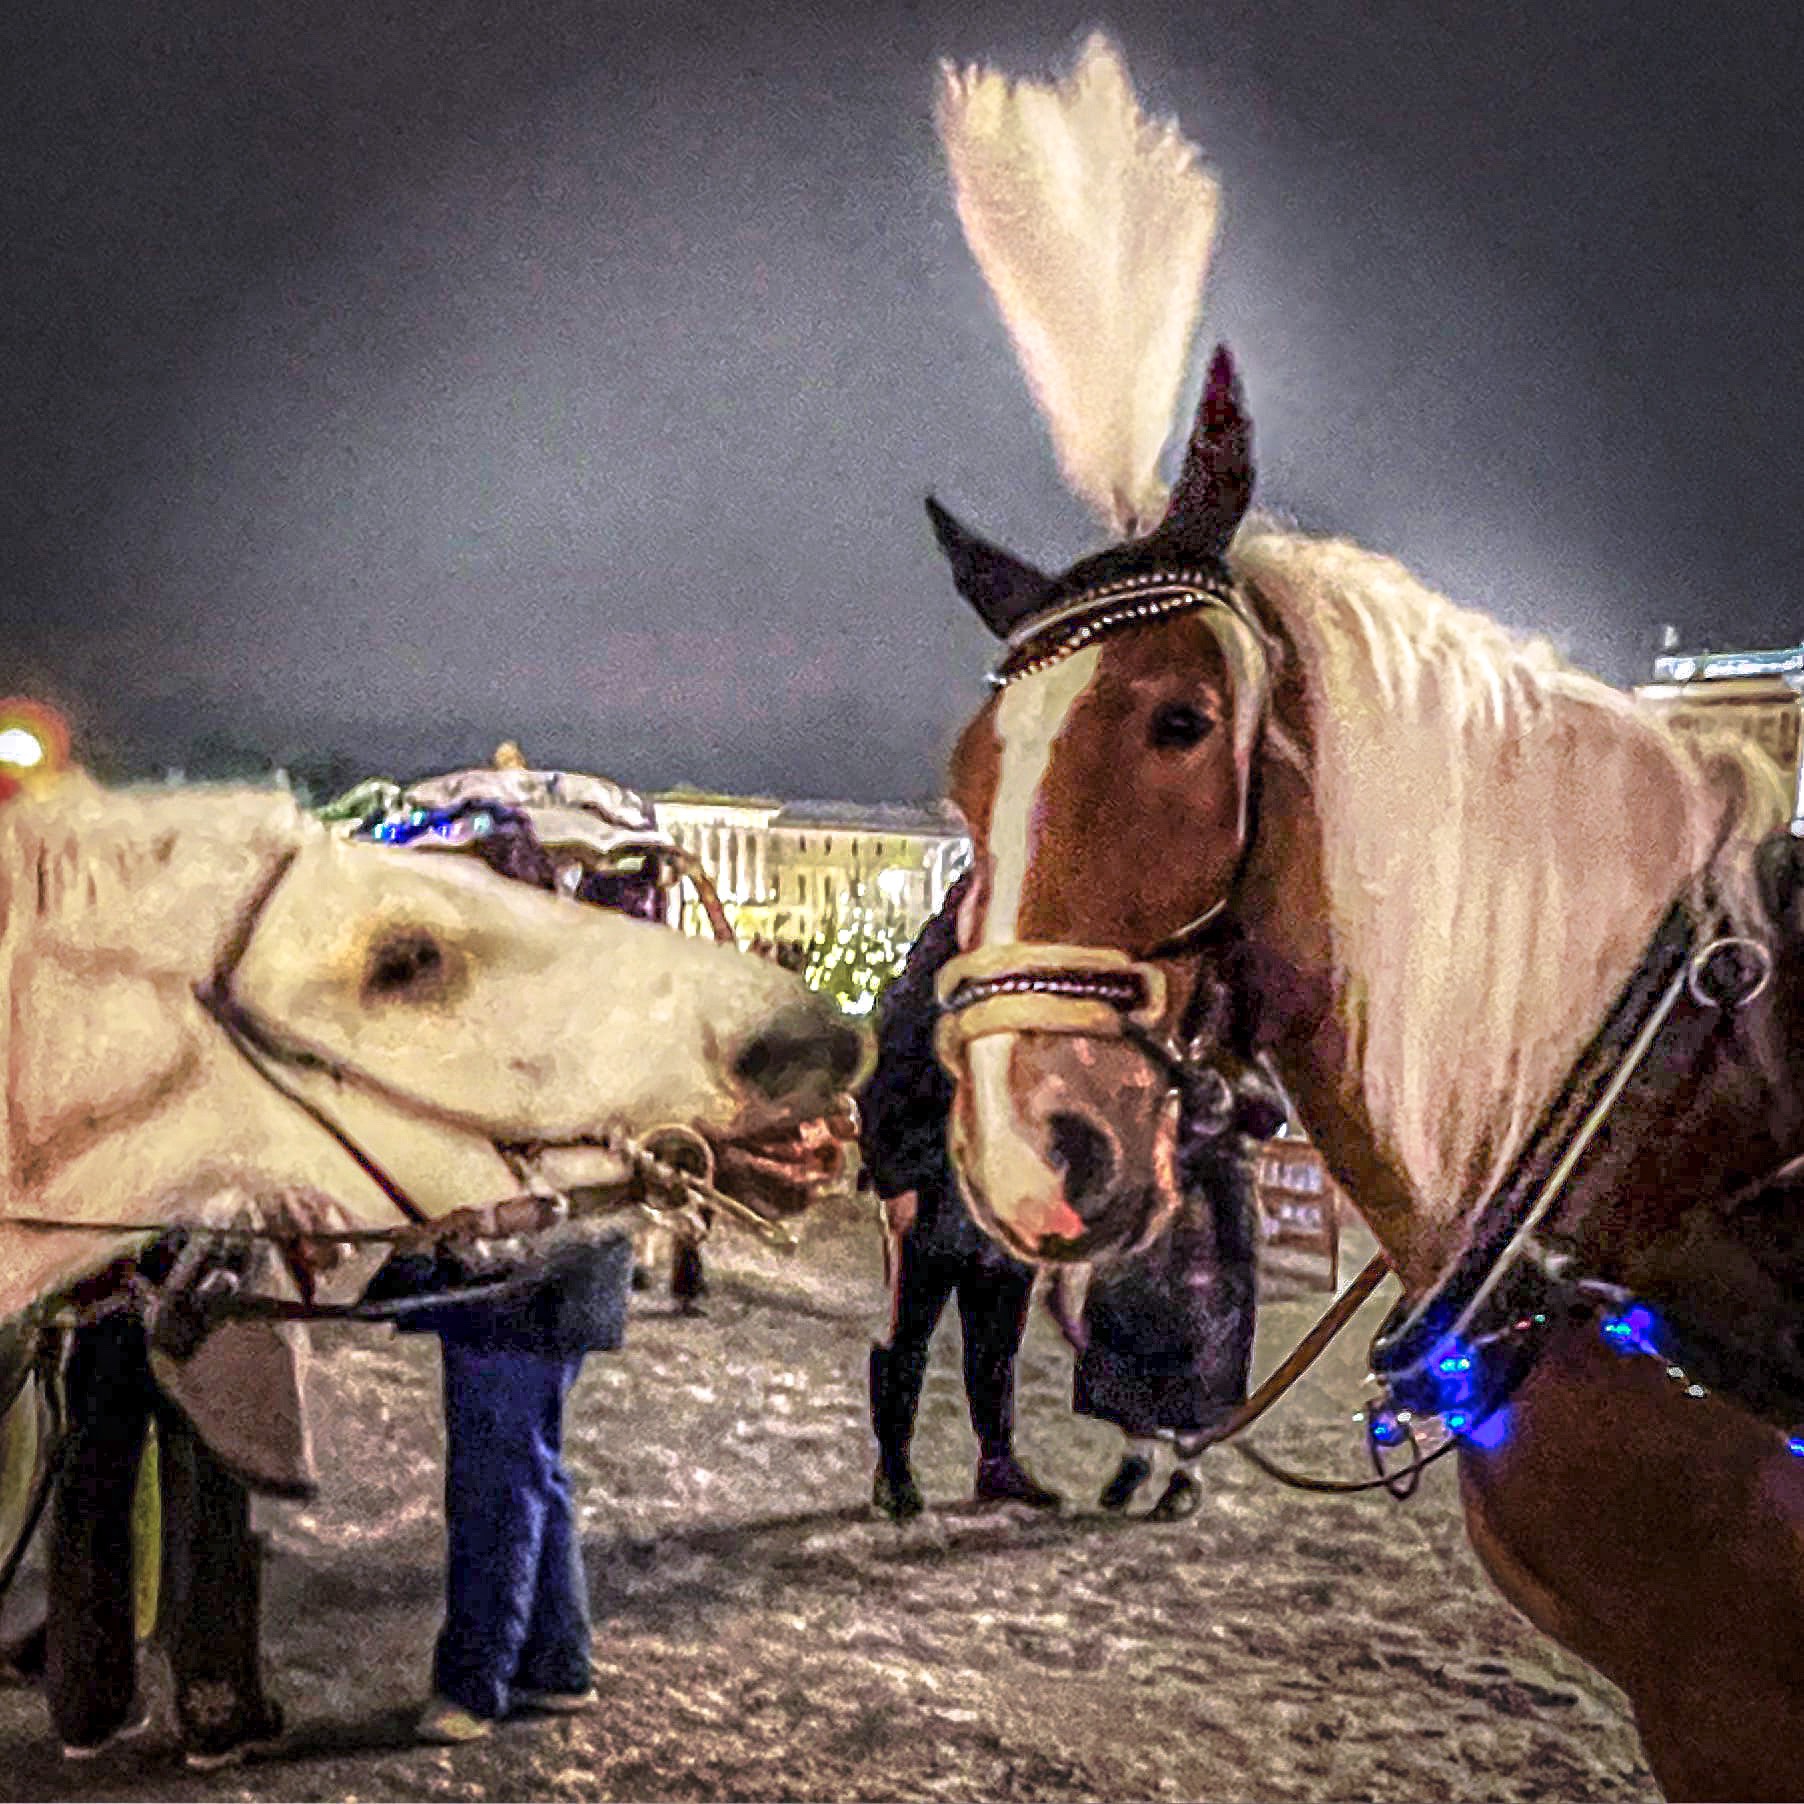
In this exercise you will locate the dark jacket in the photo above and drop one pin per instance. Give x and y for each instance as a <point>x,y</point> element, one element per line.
<point>570,1298</point>
<point>906,1101</point>
<point>1169,1329</point>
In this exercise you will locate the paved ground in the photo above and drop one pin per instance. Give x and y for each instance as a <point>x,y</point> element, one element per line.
<point>759,1637</point>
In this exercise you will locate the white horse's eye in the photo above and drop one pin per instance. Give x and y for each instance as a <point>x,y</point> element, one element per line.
<point>406,963</point>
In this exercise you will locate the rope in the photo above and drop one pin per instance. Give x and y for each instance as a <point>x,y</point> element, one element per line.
<point>1400,1484</point>
<point>650,1173</point>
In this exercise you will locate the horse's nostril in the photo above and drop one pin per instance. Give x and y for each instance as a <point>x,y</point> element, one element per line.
<point>803,1046</point>
<point>1082,1151</point>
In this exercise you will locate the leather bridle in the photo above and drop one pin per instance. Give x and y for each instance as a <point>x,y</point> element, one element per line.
<point>668,1161</point>
<point>1088,991</point>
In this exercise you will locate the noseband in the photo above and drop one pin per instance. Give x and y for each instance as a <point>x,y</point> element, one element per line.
<point>1053,987</point>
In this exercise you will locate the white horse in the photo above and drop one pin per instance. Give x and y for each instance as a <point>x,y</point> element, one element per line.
<point>214,1006</point>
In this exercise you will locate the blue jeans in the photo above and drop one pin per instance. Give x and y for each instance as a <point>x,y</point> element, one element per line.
<point>516,1601</point>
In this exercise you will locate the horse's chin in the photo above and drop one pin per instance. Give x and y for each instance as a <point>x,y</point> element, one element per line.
<point>778,1170</point>
<point>1129,1220</point>
<point>784,1171</point>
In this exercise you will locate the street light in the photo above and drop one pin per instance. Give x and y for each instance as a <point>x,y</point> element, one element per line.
<point>22,748</point>
<point>34,742</point>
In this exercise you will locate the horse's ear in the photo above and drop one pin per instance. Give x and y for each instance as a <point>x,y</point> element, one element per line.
<point>1216,486</point>
<point>1002,589</point>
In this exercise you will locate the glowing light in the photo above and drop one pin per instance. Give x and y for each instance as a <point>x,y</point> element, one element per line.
<point>22,748</point>
<point>1492,1432</point>
<point>1633,1330</point>
<point>893,883</point>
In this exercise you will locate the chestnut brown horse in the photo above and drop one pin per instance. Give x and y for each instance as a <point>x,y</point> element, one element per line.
<point>1509,950</point>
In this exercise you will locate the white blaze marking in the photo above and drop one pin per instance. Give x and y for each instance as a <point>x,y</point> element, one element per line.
<point>1029,718</point>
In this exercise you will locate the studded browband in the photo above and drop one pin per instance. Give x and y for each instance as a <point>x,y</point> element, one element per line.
<point>1048,638</point>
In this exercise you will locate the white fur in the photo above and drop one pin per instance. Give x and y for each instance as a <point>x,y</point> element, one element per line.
<point>1030,715</point>
<point>1092,226</point>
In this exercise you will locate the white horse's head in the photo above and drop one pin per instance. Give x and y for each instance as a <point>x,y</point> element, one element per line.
<point>436,1015</point>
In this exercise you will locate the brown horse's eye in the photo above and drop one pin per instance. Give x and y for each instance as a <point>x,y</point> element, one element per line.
<point>1177,726</point>
<point>404,963</point>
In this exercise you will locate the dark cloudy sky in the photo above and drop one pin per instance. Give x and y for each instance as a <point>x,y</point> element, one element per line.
<point>387,376</point>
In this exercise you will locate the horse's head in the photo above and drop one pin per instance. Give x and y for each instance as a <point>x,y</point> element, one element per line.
<point>200,983</point>
<point>1107,784</point>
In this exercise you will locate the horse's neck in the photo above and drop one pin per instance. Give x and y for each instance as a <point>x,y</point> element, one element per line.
<point>153,882</point>
<point>1423,1023</point>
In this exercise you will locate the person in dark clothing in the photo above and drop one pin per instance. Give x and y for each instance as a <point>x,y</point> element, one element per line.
<point>1166,1337</point>
<point>935,1249</point>
<point>211,1563</point>
<point>112,1394</point>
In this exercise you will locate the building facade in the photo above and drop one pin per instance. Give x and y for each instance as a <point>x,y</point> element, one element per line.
<point>789,871</point>
<point>1754,693</point>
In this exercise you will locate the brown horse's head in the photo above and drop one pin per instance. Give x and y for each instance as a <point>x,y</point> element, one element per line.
<point>1125,712</point>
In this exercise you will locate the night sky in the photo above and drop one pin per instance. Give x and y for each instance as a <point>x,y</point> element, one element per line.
<point>385,379</point>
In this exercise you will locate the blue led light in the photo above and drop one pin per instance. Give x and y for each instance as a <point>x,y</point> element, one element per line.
<point>1796,1444</point>
<point>1633,1330</point>
<point>1492,1432</point>
<point>1382,1425</point>
<point>1457,1419</point>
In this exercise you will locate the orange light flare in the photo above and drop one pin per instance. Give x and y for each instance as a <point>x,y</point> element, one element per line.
<point>34,743</point>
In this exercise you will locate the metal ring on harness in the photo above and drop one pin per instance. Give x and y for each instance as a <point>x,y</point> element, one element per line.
<point>1719,977</point>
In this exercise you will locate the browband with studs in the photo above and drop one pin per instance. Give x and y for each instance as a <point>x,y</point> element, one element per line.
<point>1047,639</point>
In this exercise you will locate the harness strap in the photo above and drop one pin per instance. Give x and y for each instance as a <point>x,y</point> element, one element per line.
<point>1410,1342</point>
<point>1305,1353</point>
<point>248,1040</point>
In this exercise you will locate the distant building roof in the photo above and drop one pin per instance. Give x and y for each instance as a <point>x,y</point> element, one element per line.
<point>1722,666</point>
<point>939,819</point>
<point>688,796</point>
<point>875,817</point>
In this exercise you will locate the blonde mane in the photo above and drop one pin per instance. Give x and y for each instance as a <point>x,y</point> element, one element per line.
<point>1501,835</point>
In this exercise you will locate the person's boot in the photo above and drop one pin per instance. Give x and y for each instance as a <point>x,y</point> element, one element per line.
<point>1001,1478</point>
<point>895,1494</point>
<point>895,1380</point>
<point>1130,1475</point>
<point>220,1729</point>
<point>22,1661</point>
<point>688,1281</point>
<point>1183,1497</point>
